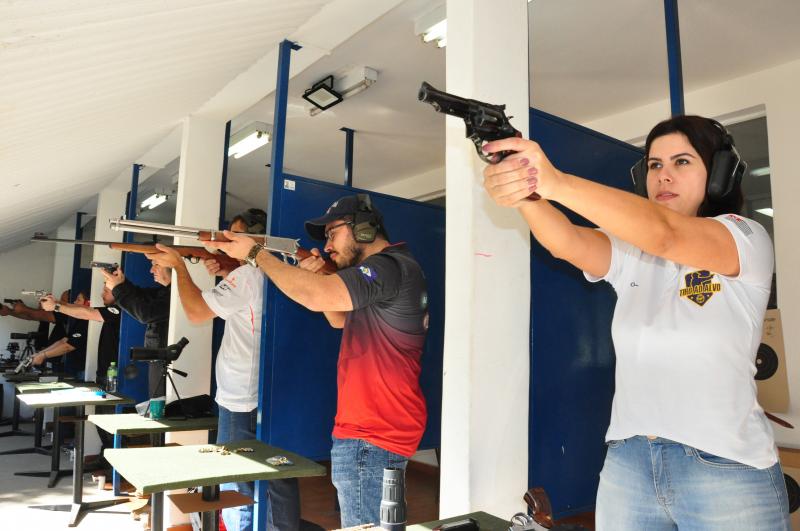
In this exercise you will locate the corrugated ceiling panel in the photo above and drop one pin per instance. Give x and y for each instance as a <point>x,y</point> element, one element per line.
<point>89,85</point>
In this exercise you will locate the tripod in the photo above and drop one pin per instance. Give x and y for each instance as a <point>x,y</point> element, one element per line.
<point>165,372</point>
<point>26,360</point>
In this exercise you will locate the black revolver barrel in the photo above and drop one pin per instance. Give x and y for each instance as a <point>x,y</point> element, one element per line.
<point>444,102</point>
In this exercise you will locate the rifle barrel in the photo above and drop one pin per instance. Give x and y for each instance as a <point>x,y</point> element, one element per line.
<point>159,229</point>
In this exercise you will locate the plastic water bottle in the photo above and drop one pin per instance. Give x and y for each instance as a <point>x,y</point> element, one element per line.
<point>111,378</point>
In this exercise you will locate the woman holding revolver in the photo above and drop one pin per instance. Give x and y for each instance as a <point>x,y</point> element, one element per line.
<point>689,447</point>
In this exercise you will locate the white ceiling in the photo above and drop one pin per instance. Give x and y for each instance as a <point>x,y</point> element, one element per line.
<point>88,87</point>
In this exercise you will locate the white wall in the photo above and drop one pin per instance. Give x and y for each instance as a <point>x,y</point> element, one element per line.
<point>775,90</point>
<point>422,187</point>
<point>63,254</point>
<point>27,267</point>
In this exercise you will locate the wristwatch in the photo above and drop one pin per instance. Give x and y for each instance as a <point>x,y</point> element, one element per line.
<point>253,254</point>
<point>57,307</point>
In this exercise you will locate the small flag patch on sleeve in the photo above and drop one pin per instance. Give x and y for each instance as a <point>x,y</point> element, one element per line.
<point>741,224</point>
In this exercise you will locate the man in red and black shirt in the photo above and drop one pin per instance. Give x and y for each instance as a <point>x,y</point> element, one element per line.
<point>378,296</point>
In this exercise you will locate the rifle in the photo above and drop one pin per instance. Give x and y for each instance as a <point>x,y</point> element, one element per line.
<point>11,301</point>
<point>485,122</point>
<point>192,254</point>
<point>288,248</point>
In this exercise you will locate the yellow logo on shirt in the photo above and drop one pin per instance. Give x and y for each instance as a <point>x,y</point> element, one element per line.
<point>699,287</point>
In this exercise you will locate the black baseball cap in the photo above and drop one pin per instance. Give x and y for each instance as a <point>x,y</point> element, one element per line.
<point>348,205</point>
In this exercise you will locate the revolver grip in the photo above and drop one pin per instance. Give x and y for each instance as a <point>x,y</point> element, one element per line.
<point>496,157</point>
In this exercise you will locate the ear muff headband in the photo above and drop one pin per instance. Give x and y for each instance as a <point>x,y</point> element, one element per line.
<point>365,222</point>
<point>255,219</point>
<point>727,169</point>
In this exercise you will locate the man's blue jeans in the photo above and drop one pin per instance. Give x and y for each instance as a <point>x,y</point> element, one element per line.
<point>283,495</point>
<point>357,473</point>
<point>661,485</point>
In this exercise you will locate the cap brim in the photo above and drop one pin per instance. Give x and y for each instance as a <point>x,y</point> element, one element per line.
<point>316,227</point>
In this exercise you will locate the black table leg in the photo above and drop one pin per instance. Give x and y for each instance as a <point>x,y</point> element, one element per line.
<point>157,511</point>
<point>37,448</point>
<point>55,473</point>
<point>157,498</point>
<point>78,507</point>
<point>210,521</point>
<point>14,425</point>
<point>3,422</point>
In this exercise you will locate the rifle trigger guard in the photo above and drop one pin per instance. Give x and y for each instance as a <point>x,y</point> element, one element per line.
<point>193,259</point>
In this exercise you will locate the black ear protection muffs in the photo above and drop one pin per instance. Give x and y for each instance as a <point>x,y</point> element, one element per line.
<point>255,219</point>
<point>727,169</point>
<point>365,222</point>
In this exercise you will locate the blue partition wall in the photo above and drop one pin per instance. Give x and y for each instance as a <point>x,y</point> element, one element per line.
<point>298,404</point>
<point>572,357</point>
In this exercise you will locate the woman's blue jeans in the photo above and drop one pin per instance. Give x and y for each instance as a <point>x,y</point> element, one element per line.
<point>283,495</point>
<point>659,484</point>
<point>357,473</point>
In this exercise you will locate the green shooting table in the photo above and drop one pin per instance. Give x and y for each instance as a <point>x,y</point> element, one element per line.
<point>28,387</point>
<point>134,424</point>
<point>79,398</point>
<point>486,522</point>
<point>16,380</point>
<point>155,470</point>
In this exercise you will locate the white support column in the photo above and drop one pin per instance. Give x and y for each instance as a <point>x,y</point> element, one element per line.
<point>62,262</point>
<point>199,182</point>
<point>487,329</point>
<point>110,204</point>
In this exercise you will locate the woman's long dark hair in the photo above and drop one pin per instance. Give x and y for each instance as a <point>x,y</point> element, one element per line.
<point>707,137</point>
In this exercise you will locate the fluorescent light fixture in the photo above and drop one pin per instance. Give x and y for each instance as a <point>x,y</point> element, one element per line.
<point>322,95</point>
<point>760,172</point>
<point>432,26</point>
<point>765,211</point>
<point>344,85</point>
<point>437,32</point>
<point>248,139</point>
<point>153,201</point>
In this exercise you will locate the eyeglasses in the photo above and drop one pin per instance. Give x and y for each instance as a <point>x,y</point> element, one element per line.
<point>329,232</point>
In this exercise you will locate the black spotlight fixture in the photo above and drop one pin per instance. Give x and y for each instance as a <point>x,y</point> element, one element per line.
<point>322,95</point>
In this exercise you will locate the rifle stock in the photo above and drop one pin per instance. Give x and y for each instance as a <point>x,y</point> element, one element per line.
<point>286,247</point>
<point>192,254</point>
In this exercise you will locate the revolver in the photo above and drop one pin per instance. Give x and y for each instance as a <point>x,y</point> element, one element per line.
<point>485,122</point>
<point>24,363</point>
<point>38,293</point>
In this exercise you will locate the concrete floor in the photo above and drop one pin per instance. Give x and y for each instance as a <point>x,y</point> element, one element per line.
<point>17,493</point>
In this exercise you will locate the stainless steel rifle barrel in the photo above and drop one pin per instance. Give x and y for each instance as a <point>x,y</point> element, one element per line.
<point>159,229</point>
